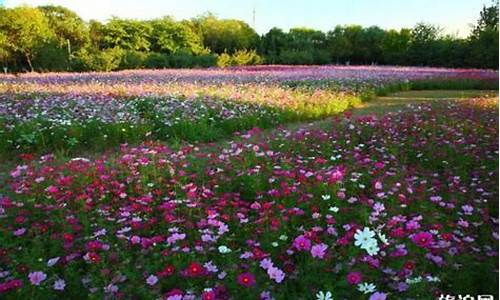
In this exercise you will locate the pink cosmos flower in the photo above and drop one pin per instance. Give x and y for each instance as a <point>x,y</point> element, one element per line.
<point>246,279</point>
<point>423,239</point>
<point>276,274</point>
<point>135,239</point>
<point>37,277</point>
<point>302,243</point>
<point>319,250</point>
<point>354,278</point>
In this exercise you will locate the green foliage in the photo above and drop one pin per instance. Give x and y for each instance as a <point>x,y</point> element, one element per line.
<point>51,57</point>
<point>69,29</point>
<point>239,58</point>
<point>169,36</point>
<point>484,39</point>
<point>26,30</point>
<point>156,60</point>
<point>225,35</point>
<point>132,59</point>
<point>126,34</point>
<point>54,38</point>
<point>104,60</point>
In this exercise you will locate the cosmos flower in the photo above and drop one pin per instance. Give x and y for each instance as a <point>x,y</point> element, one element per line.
<point>354,278</point>
<point>59,285</point>
<point>37,277</point>
<point>319,250</point>
<point>366,288</point>
<point>302,243</point>
<point>324,296</point>
<point>151,280</point>
<point>423,239</point>
<point>246,279</point>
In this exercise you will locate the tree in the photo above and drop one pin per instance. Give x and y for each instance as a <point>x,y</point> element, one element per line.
<point>127,34</point>
<point>26,29</point>
<point>484,39</point>
<point>225,35</point>
<point>67,26</point>
<point>339,45</point>
<point>422,43</point>
<point>169,36</point>
<point>4,49</point>
<point>395,45</point>
<point>272,43</point>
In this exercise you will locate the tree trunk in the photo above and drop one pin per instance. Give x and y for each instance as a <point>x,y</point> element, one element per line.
<point>29,61</point>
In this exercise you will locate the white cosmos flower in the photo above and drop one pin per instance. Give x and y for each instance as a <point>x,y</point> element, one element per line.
<point>372,249</point>
<point>224,249</point>
<point>334,209</point>
<point>326,197</point>
<point>324,296</point>
<point>383,238</point>
<point>366,288</point>
<point>364,238</point>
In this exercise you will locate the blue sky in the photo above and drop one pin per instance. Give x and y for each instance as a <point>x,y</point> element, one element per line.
<point>454,16</point>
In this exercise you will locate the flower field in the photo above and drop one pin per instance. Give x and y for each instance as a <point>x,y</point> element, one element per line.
<point>70,111</point>
<point>399,206</point>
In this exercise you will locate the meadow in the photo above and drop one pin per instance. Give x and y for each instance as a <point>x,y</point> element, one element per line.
<point>264,182</point>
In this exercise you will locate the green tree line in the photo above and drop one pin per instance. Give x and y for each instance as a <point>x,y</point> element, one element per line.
<point>54,38</point>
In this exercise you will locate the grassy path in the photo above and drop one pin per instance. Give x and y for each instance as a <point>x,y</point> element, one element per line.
<point>400,101</point>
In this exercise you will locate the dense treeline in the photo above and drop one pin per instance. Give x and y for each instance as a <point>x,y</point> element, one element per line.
<point>53,38</point>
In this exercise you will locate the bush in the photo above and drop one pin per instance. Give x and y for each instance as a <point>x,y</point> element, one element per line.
<point>246,57</point>
<point>51,57</point>
<point>133,59</point>
<point>156,60</point>
<point>224,60</point>
<point>239,58</point>
<point>105,60</point>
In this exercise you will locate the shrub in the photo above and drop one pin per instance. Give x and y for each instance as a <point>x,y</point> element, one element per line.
<point>133,59</point>
<point>105,60</point>
<point>239,58</point>
<point>51,57</point>
<point>246,57</point>
<point>224,60</point>
<point>156,60</point>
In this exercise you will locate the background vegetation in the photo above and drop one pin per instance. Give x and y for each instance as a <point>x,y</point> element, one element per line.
<point>53,38</point>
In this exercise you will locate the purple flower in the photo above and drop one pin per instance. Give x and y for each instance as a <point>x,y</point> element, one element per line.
<point>151,280</point>
<point>59,285</point>
<point>276,274</point>
<point>37,277</point>
<point>378,296</point>
<point>319,250</point>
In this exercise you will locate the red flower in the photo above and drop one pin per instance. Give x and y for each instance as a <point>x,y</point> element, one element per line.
<point>246,279</point>
<point>409,265</point>
<point>167,271</point>
<point>93,257</point>
<point>195,270</point>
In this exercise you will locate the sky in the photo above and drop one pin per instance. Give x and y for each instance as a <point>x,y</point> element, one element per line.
<point>454,16</point>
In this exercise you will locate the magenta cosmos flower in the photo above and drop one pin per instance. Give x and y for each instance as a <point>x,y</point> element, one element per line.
<point>354,278</point>
<point>246,279</point>
<point>423,239</point>
<point>302,243</point>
